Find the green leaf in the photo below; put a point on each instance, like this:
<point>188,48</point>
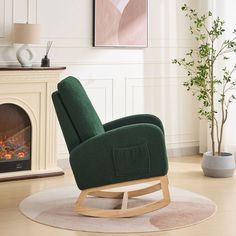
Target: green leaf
<point>184,7</point>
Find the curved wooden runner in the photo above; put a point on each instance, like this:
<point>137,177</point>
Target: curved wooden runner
<point>161,183</point>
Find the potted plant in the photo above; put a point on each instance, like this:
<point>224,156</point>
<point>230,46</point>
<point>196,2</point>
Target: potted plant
<point>214,93</point>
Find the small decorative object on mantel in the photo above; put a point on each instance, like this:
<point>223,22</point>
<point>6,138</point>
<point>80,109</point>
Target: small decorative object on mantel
<point>26,34</point>
<point>45,62</point>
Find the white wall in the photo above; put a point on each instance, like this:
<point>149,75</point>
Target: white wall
<point>119,81</point>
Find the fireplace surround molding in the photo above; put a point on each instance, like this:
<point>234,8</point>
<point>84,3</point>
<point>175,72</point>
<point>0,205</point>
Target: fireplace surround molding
<point>31,90</point>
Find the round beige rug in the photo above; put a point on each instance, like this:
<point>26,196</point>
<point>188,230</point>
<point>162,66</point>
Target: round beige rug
<point>55,207</point>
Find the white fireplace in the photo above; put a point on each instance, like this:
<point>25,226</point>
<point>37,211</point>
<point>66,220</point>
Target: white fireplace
<point>29,90</point>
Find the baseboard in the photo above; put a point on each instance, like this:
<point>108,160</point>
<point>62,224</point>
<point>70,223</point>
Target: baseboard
<point>63,160</point>
<point>183,151</point>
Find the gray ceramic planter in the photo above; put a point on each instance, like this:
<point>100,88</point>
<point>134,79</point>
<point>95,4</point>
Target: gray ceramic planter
<point>218,166</point>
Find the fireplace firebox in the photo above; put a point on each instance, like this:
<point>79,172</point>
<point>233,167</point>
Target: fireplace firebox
<point>15,139</point>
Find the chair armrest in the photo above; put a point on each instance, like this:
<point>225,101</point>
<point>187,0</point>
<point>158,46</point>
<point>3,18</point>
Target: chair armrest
<point>134,119</point>
<point>123,154</point>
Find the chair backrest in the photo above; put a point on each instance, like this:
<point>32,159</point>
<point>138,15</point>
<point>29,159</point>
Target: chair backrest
<point>76,114</point>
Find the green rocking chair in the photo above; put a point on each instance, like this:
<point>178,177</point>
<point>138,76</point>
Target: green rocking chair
<point>123,152</point>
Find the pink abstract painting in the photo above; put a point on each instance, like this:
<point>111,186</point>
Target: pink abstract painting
<point>120,23</point>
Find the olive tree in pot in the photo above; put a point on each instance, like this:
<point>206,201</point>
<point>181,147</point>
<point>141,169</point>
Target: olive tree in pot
<point>214,93</point>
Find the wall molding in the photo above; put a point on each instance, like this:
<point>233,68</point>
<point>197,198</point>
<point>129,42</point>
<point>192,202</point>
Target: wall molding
<point>92,63</point>
<point>3,16</point>
<point>176,136</point>
<point>182,151</point>
<point>105,85</point>
<point>87,43</point>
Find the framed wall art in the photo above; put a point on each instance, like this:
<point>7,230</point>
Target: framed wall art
<point>120,23</point>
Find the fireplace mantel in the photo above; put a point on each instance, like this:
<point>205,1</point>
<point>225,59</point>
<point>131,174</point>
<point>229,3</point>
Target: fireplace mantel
<point>31,89</point>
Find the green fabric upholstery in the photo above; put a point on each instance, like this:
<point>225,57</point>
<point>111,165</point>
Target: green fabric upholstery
<point>134,119</point>
<point>94,162</point>
<point>79,108</point>
<point>70,134</point>
<point>126,149</point>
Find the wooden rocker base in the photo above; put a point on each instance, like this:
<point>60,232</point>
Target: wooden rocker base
<point>161,183</point>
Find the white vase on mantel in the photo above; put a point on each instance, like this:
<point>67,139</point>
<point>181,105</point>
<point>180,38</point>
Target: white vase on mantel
<point>222,166</point>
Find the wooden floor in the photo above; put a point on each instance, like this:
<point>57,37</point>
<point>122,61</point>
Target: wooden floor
<point>184,172</point>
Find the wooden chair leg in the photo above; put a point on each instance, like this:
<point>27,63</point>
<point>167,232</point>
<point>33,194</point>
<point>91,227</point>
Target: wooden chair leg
<point>125,201</point>
<point>134,193</point>
<point>165,189</point>
<point>125,211</point>
<point>80,200</point>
